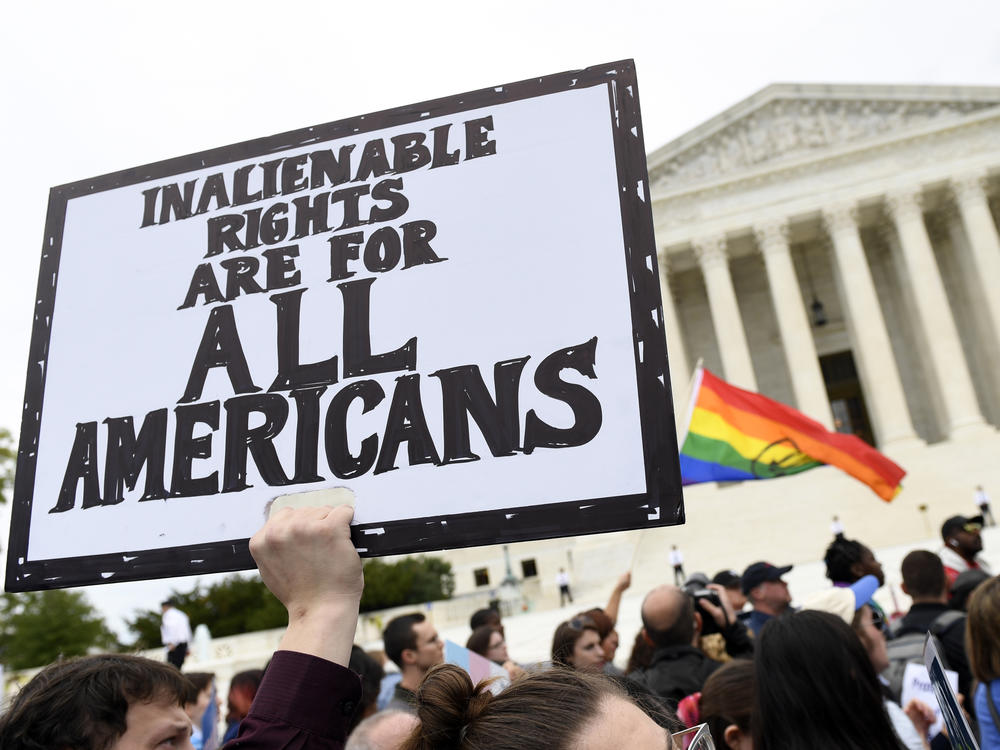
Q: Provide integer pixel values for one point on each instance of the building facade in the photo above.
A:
(835, 248)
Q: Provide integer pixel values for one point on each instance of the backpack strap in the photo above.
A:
(945, 621)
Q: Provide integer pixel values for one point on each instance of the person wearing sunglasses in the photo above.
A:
(577, 644)
(962, 545)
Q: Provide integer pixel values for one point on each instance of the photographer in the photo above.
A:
(673, 622)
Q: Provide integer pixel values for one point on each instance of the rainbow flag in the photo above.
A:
(734, 435)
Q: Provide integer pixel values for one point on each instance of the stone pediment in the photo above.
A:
(787, 121)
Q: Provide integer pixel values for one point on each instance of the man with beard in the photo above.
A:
(962, 545)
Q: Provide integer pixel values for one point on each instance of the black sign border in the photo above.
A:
(661, 504)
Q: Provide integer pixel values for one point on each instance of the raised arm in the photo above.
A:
(307, 560)
(308, 694)
(615, 600)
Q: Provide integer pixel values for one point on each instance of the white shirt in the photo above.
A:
(175, 627)
(954, 561)
(676, 557)
(982, 498)
(562, 578)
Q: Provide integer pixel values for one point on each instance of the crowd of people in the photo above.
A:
(731, 653)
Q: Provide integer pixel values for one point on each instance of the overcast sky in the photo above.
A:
(93, 87)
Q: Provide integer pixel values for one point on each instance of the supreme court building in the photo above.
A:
(836, 248)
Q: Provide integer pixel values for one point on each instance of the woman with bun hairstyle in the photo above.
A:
(558, 709)
(577, 645)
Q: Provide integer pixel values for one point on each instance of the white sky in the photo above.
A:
(93, 87)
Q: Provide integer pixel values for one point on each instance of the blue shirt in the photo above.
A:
(989, 732)
(756, 621)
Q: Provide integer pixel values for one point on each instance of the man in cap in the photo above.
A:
(765, 590)
(962, 545)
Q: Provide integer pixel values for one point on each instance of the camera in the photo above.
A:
(699, 594)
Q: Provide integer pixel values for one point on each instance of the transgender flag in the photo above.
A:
(734, 435)
(479, 667)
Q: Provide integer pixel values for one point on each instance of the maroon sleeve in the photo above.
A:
(303, 702)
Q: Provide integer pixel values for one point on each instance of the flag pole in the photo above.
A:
(692, 394)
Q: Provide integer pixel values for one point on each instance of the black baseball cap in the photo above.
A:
(957, 523)
(761, 572)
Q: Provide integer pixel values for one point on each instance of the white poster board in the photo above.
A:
(451, 308)
(917, 684)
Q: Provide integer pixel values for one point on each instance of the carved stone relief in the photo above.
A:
(787, 128)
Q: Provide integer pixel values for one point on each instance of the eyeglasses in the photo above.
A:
(972, 528)
(582, 623)
(695, 738)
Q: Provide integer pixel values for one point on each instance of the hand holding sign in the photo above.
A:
(307, 560)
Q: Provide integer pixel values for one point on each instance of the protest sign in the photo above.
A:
(959, 732)
(451, 308)
(917, 684)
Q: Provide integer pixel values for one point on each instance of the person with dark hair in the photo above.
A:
(576, 644)
(850, 605)
(242, 690)
(726, 703)
(413, 645)
(371, 674)
(766, 591)
(847, 560)
(197, 702)
(962, 545)
(732, 587)
(489, 642)
(673, 625)
(983, 641)
(488, 616)
(605, 619)
(924, 581)
(558, 709)
(103, 702)
(816, 688)
(609, 637)
(642, 653)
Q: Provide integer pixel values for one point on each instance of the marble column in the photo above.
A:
(793, 323)
(935, 323)
(984, 243)
(680, 367)
(726, 319)
(871, 347)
